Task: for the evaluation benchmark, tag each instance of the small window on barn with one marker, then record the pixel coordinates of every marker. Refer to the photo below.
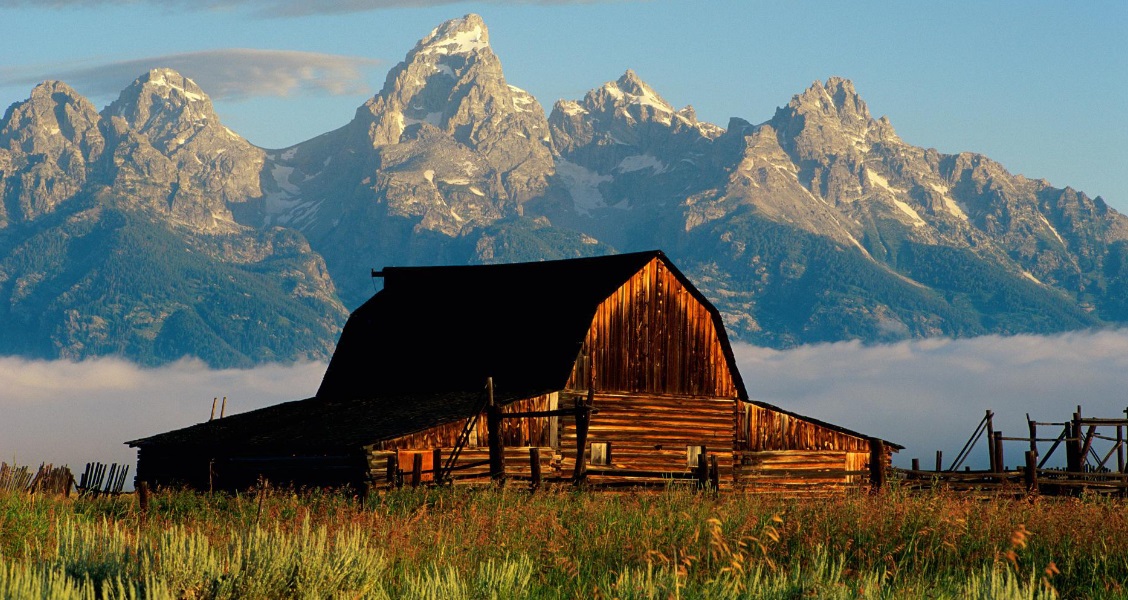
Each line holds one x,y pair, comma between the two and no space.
691,454
601,453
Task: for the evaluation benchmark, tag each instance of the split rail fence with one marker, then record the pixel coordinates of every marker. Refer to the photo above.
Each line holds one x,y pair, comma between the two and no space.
1086,469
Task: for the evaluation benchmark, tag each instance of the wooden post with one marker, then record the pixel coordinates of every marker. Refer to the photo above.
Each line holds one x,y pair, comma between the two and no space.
143,498
1070,448
991,441
916,464
493,426
437,466
1078,458
702,470
223,407
714,473
1031,472
997,445
214,400
393,469
535,467
1120,448
583,420
1033,434
939,461
416,469
877,465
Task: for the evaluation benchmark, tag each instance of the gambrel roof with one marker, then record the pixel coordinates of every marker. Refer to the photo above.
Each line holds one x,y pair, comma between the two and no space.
436,329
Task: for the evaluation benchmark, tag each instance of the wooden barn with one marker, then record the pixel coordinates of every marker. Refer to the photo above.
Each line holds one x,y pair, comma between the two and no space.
612,370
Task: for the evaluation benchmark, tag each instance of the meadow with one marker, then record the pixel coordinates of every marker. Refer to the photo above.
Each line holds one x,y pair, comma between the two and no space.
508,543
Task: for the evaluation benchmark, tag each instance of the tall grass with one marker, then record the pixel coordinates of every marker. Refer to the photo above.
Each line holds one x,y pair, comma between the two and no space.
561,544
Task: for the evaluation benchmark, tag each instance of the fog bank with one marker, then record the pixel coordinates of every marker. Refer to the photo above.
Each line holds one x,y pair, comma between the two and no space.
925,395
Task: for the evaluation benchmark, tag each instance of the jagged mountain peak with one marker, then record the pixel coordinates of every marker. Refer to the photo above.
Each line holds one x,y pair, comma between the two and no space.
467,35
836,97
628,90
52,105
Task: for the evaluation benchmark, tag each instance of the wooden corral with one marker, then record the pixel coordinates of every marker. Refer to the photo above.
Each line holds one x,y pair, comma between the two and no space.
1085,469
609,371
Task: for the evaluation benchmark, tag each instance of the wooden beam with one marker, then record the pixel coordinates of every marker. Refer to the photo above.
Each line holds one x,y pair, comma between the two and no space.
583,421
535,467
877,464
493,427
991,441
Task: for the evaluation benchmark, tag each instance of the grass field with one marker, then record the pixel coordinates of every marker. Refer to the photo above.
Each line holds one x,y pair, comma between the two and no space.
464,543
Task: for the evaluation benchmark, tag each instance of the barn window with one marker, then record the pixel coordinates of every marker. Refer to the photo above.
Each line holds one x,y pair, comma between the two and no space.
601,453
691,454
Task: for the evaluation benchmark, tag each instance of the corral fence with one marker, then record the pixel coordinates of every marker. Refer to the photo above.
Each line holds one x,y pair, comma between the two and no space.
1094,459
97,479
528,466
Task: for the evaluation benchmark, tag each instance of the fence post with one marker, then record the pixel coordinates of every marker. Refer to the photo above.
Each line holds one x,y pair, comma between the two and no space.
393,469
1119,449
143,498
1031,472
990,441
493,430
583,419
1033,434
535,467
877,465
939,461
437,466
416,469
714,473
702,471
997,446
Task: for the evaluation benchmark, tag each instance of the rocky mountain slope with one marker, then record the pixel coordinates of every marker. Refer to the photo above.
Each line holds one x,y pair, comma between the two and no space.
151,230
116,236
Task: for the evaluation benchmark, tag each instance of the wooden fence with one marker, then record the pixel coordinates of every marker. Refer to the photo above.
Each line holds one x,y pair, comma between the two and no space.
96,480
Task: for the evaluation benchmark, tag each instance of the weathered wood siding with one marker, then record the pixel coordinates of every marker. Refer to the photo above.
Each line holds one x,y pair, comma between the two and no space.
762,429
535,431
517,464
653,336
652,432
800,471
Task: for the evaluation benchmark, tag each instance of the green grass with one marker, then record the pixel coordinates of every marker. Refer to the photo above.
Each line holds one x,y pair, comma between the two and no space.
561,544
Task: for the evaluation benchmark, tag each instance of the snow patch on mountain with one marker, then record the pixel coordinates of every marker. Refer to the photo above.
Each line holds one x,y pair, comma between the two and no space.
583,184
638,162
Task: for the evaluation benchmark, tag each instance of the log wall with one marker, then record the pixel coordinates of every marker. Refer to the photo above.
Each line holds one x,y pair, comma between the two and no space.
651,433
653,336
525,431
800,471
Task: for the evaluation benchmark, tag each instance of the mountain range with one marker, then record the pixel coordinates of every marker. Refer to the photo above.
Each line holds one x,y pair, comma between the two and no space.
149,230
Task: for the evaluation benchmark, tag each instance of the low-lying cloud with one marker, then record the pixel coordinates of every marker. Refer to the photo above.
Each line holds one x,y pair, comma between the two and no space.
930,395
224,74
65,412
926,395
274,8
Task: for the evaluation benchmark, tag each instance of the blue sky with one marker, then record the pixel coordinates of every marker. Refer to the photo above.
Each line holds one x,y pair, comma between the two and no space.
1038,86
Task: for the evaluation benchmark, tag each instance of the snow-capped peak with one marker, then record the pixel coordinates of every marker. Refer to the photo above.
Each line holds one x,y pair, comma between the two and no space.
467,35
173,82
632,90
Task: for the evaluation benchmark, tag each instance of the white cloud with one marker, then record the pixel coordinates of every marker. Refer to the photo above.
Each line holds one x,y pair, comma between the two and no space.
66,412
224,74
276,8
929,395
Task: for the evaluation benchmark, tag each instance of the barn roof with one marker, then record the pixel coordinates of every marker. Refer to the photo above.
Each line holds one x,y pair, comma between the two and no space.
437,329
319,426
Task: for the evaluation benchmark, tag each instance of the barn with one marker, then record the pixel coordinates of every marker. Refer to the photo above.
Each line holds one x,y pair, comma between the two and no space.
612,370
